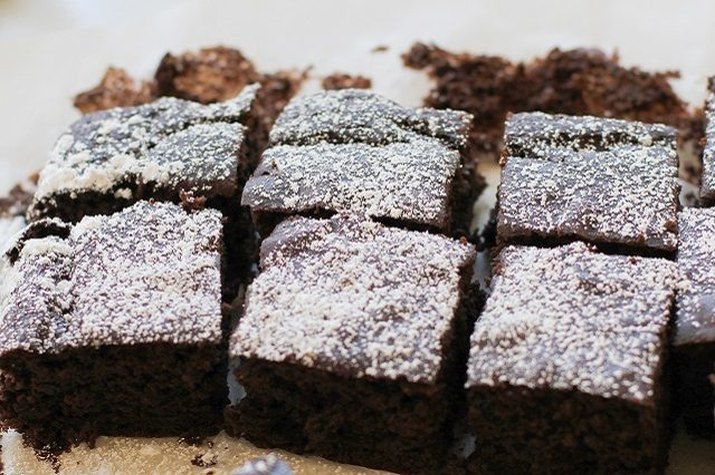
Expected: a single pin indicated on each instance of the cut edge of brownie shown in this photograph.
(59, 400)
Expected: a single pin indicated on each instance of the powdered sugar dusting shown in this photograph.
(533, 133)
(707, 188)
(150, 273)
(404, 180)
(696, 297)
(352, 296)
(570, 318)
(353, 150)
(357, 115)
(626, 196)
(171, 142)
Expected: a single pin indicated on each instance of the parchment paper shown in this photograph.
(50, 50)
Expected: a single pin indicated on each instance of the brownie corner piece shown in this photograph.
(352, 150)
(567, 363)
(115, 328)
(353, 343)
(694, 340)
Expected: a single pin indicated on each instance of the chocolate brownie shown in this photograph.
(115, 329)
(623, 200)
(694, 342)
(530, 134)
(578, 82)
(353, 150)
(707, 187)
(116, 89)
(353, 343)
(567, 367)
(269, 465)
(109, 159)
(336, 81)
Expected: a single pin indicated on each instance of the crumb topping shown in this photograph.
(696, 297)
(626, 196)
(354, 297)
(170, 142)
(570, 318)
(150, 273)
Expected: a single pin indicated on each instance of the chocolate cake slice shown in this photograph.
(353, 150)
(115, 328)
(353, 343)
(623, 200)
(567, 367)
(694, 342)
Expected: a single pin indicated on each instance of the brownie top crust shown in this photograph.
(569, 318)
(530, 133)
(170, 142)
(707, 188)
(626, 196)
(352, 150)
(354, 297)
(148, 274)
(696, 298)
(360, 116)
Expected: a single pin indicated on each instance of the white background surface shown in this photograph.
(52, 49)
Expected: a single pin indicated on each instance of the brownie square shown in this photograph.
(694, 341)
(567, 363)
(623, 200)
(353, 150)
(707, 187)
(536, 133)
(353, 343)
(115, 328)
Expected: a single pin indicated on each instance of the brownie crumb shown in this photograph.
(191, 202)
(205, 460)
(116, 89)
(209, 75)
(18, 200)
(346, 81)
(578, 82)
(380, 49)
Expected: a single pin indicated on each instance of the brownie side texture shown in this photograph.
(694, 341)
(623, 200)
(115, 329)
(568, 363)
(707, 187)
(116, 89)
(353, 343)
(352, 150)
